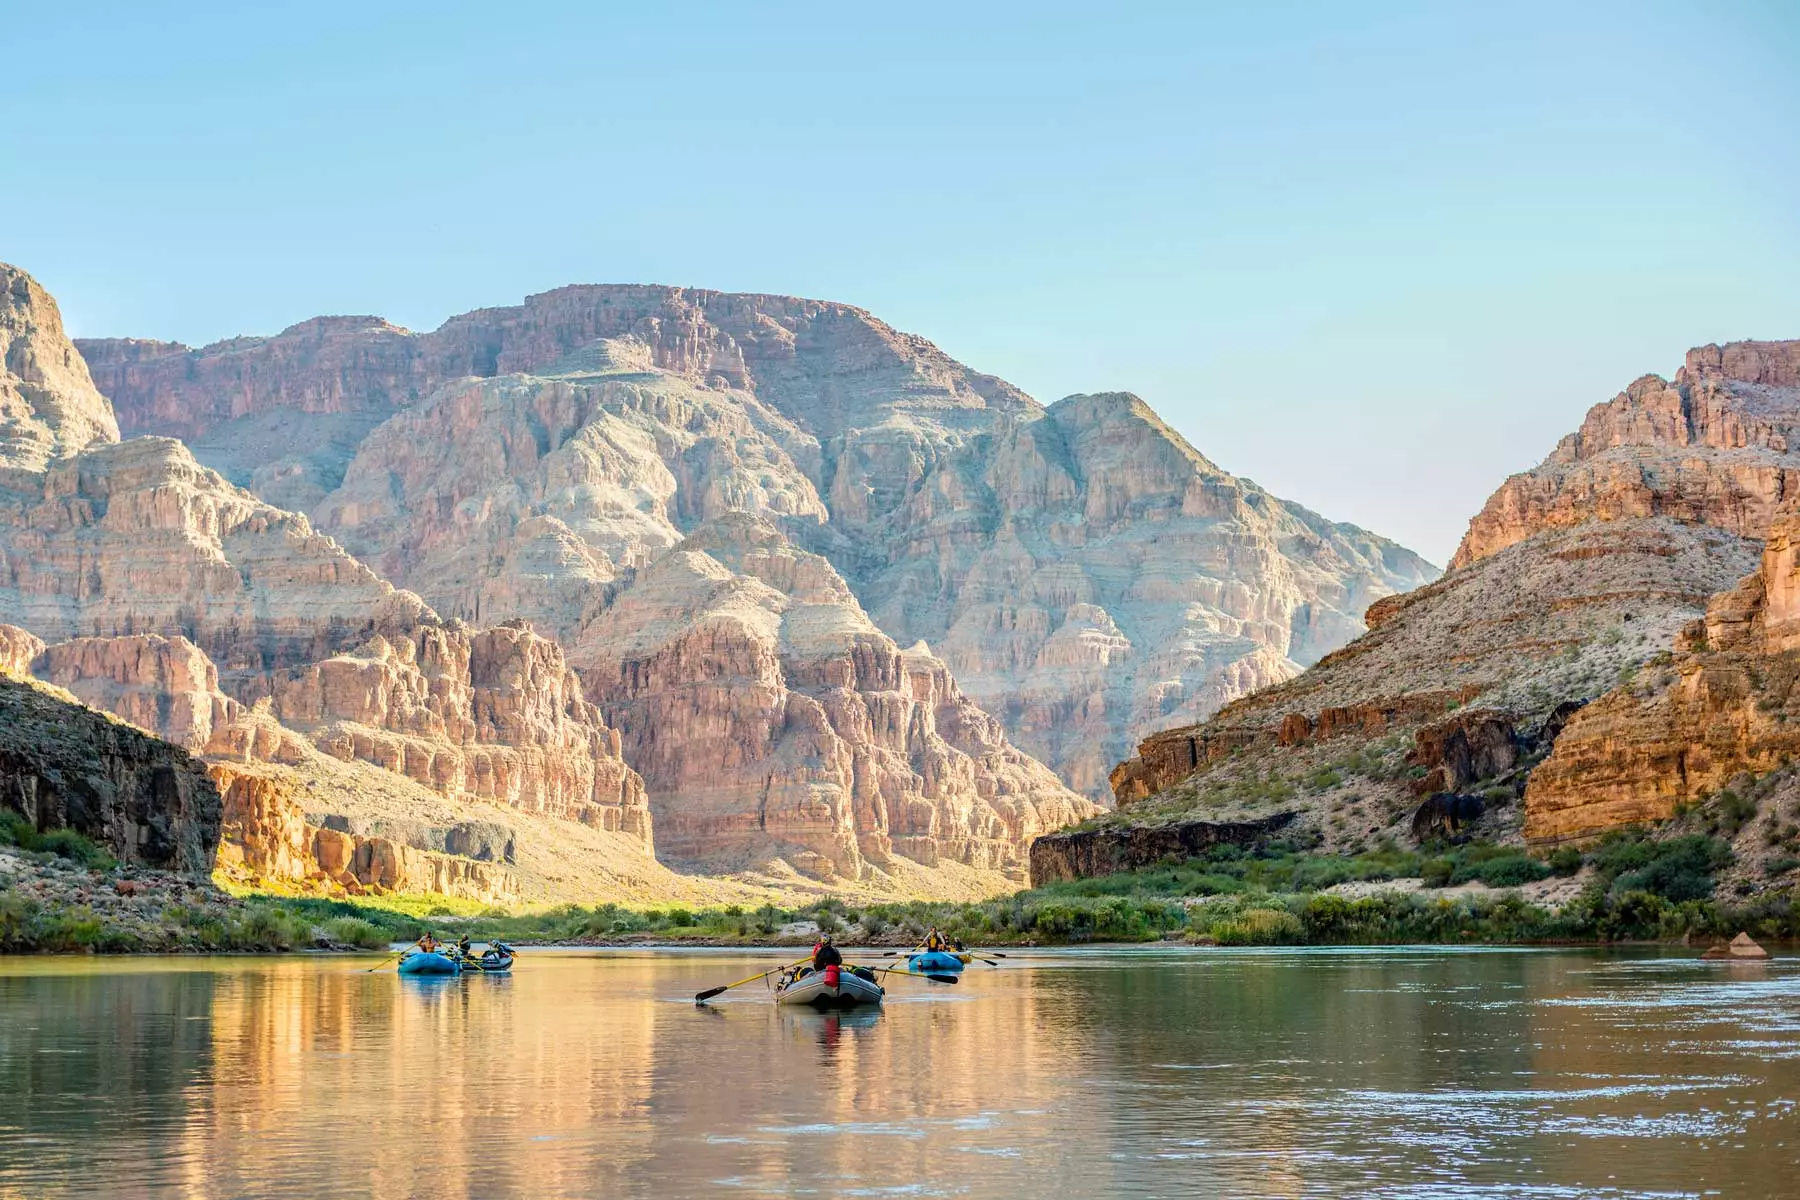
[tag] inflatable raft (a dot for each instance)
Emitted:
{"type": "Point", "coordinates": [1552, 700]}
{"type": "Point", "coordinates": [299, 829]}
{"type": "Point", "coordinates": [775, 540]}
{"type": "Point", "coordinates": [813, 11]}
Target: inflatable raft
{"type": "Point", "coordinates": [426, 962]}
{"type": "Point", "coordinates": [492, 962]}
{"type": "Point", "coordinates": [833, 987]}
{"type": "Point", "coordinates": [936, 962]}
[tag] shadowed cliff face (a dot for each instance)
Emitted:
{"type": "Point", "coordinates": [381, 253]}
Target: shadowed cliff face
{"type": "Point", "coordinates": [1086, 853]}
{"type": "Point", "coordinates": [67, 767]}
{"type": "Point", "coordinates": [1083, 572]}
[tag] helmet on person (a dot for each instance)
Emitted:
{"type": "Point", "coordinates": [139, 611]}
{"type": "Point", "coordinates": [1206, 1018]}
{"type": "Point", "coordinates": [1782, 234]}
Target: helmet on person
{"type": "Point", "coordinates": [824, 939]}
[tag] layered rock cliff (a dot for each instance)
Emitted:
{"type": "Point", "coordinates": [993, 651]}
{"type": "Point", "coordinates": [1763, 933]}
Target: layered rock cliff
{"type": "Point", "coordinates": [1091, 575]}
{"type": "Point", "coordinates": [196, 610]}
{"type": "Point", "coordinates": [1723, 704]}
{"type": "Point", "coordinates": [48, 405]}
{"type": "Point", "coordinates": [771, 718]}
{"type": "Point", "coordinates": [1719, 446]}
{"type": "Point", "coordinates": [835, 368]}
{"type": "Point", "coordinates": [1083, 571]}
{"type": "Point", "coordinates": [266, 839]}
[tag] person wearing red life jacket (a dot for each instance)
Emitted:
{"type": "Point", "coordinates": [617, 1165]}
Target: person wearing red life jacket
{"type": "Point", "coordinates": [827, 959]}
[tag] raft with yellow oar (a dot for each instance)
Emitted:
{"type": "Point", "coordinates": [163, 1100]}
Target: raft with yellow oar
{"type": "Point", "coordinates": [830, 987]}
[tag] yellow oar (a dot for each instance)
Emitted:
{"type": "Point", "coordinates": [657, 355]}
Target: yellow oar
{"type": "Point", "coordinates": [390, 958]}
{"type": "Point", "coordinates": [709, 993]}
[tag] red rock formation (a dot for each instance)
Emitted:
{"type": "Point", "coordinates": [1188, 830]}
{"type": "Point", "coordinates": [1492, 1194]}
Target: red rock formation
{"type": "Point", "coordinates": [1718, 446]}
{"type": "Point", "coordinates": [267, 839]}
{"type": "Point", "coordinates": [165, 685]}
{"type": "Point", "coordinates": [493, 715]}
{"type": "Point", "coordinates": [496, 715]}
{"type": "Point", "coordinates": [147, 568]}
{"type": "Point", "coordinates": [1726, 704]}
{"type": "Point", "coordinates": [17, 650]}
{"type": "Point", "coordinates": [771, 719]}
{"type": "Point", "coordinates": [832, 366]}
{"type": "Point", "coordinates": [325, 365]}
{"type": "Point", "coordinates": [137, 537]}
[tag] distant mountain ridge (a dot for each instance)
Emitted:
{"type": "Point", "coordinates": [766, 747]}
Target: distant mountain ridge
{"type": "Point", "coordinates": [1081, 570]}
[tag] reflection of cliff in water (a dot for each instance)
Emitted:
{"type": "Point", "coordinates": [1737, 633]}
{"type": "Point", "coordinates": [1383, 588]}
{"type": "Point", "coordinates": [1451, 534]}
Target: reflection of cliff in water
{"type": "Point", "coordinates": [860, 1097]}
{"type": "Point", "coordinates": [463, 1066]}
{"type": "Point", "coordinates": [1242, 1073]}
{"type": "Point", "coordinates": [131, 1100]}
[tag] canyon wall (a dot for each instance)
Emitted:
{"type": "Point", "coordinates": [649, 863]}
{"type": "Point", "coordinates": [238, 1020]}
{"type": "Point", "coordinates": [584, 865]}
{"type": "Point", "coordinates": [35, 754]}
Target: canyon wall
{"type": "Point", "coordinates": [1575, 577]}
{"type": "Point", "coordinates": [48, 404]}
{"type": "Point", "coordinates": [1084, 573]}
{"type": "Point", "coordinates": [771, 717]}
{"type": "Point", "coordinates": [1724, 703]}
{"type": "Point", "coordinates": [1716, 447]}
{"type": "Point", "coordinates": [1090, 575]}
{"type": "Point", "coordinates": [494, 715]}
{"type": "Point", "coordinates": [157, 590]}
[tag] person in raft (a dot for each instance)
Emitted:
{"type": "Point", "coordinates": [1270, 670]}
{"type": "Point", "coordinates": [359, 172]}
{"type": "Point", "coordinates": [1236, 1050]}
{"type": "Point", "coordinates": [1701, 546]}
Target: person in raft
{"type": "Point", "coordinates": [934, 940]}
{"type": "Point", "coordinates": [462, 946]}
{"type": "Point", "coordinates": [428, 944]}
{"type": "Point", "coordinates": [825, 954]}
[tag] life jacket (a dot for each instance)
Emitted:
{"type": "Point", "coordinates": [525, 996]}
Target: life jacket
{"type": "Point", "coordinates": [833, 973]}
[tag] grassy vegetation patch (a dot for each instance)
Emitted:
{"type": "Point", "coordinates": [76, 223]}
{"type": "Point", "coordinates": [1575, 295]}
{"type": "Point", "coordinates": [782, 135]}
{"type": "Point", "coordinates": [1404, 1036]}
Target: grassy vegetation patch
{"type": "Point", "coordinates": [18, 831]}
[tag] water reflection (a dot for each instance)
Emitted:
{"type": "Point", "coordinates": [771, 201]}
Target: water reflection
{"type": "Point", "coordinates": [1399, 1072]}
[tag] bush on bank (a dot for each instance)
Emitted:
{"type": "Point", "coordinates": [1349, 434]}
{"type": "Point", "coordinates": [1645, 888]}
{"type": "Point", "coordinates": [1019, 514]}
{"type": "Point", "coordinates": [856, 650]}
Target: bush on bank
{"type": "Point", "coordinates": [1638, 890]}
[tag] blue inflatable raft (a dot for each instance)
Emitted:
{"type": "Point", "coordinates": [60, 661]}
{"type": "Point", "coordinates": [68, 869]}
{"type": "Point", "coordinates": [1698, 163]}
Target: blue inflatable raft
{"type": "Point", "coordinates": [422, 962]}
{"type": "Point", "coordinates": [937, 962]}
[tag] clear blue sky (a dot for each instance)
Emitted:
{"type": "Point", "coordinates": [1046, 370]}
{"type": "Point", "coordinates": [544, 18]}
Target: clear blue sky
{"type": "Point", "coordinates": [1374, 256]}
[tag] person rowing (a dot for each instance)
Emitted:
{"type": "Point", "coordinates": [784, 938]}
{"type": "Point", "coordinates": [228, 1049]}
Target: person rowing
{"type": "Point", "coordinates": [825, 954]}
{"type": "Point", "coordinates": [427, 943]}
{"type": "Point", "coordinates": [934, 940]}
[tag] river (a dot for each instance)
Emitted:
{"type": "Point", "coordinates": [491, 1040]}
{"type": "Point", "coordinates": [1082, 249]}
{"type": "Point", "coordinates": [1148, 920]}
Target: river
{"type": "Point", "coordinates": [1367, 1072]}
